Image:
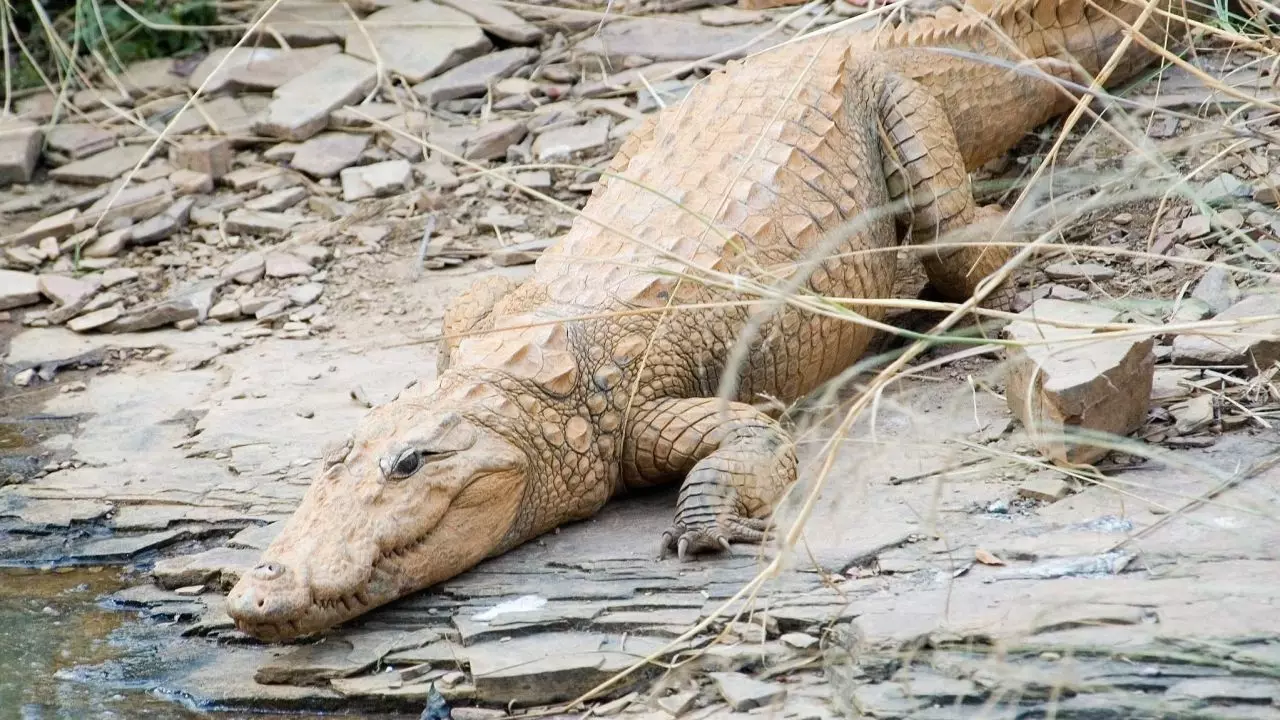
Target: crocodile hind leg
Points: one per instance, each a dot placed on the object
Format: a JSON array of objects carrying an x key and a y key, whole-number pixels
[
  {"x": 736, "y": 462},
  {"x": 470, "y": 312}
]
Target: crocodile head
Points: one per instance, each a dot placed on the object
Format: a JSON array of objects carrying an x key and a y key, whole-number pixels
[{"x": 422, "y": 491}]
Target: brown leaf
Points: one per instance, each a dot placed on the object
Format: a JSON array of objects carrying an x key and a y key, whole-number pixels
[{"x": 986, "y": 558}]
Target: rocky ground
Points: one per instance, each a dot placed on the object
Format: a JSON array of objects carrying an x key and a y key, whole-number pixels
[{"x": 212, "y": 267}]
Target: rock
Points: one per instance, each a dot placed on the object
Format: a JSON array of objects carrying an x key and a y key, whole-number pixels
[
  {"x": 1193, "y": 415},
  {"x": 116, "y": 276},
  {"x": 187, "y": 302},
  {"x": 190, "y": 182},
  {"x": 155, "y": 229},
  {"x": 668, "y": 40},
  {"x": 57, "y": 226},
  {"x": 282, "y": 265},
  {"x": 63, "y": 290},
  {"x": 533, "y": 179},
  {"x": 108, "y": 245},
  {"x": 18, "y": 289},
  {"x": 474, "y": 76},
  {"x": 243, "y": 221},
  {"x": 798, "y": 640},
  {"x": 103, "y": 167},
  {"x": 1256, "y": 345},
  {"x": 246, "y": 269},
  {"x": 278, "y": 200},
  {"x": 250, "y": 177},
  {"x": 78, "y": 140},
  {"x": 1197, "y": 226},
  {"x": 225, "y": 310},
  {"x": 213, "y": 73},
  {"x": 210, "y": 156},
  {"x": 1217, "y": 289},
  {"x": 1251, "y": 690},
  {"x": 1079, "y": 271},
  {"x": 1224, "y": 188},
  {"x": 1059, "y": 389},
  {"x": 304, "y": 23},
  {"x": 306, "y": 294},
  {"x": 149, "y": 76},
  {"x": 744, "y": 693},
  {"x": 95, "y": 319},
  {"x": 418, "y": 40},
  {"x": 328, "y": 153},
  {"x": 486, "y": 142},
  {"x": 301, "y": 107},
  {"x": 220, "y": 567},
  {"x": 336, "y": 657},
  {"x": 267, "y": 74},
  {"x": 499, "y": 21},
  {"x": 1045, "y": 486},
  {"x": 568, "y": 141},
  {"x": 678, "y": 704},
  {"x": 20, "y": 142},
  {"x": 377, "y": 180},
  {"x": 522, "y": 253},
  {"x": 313, "y": 254}
]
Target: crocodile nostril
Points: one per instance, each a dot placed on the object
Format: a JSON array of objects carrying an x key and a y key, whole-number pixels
[{"x": 268, "y": 571}]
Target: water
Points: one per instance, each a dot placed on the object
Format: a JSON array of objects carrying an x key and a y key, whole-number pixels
[{"x": 65, "y": 656}]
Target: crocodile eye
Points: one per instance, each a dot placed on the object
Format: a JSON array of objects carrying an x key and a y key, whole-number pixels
[{"x": 407, "y": 464}]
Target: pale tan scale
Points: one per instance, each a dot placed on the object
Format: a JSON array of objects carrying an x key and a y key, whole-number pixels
[{"x": 577, "y": 433}]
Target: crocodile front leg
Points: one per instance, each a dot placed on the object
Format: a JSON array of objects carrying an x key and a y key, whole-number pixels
[
  {"x": 470, "y": 312},
  {"x": 735, "y": 459}
]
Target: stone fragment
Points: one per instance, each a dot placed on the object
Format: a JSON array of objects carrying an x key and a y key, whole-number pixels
[
  {"x": 522, "y": 253},
  {"x": 744, "y": 693},
  {"x": 20, "y": 142},
  {"x": 533, "y": 179},
  {"x": 306, "y": 294},
  {"x": 1060, "y": 388},
  {"x": 678, "y": 704},
  {"x": 486, "y": 142},
  {"x": 220, "y": 567},
  {"x": 210, "y": 156},
  {"x": 63, "y": 290},
  {"x": 474, "y": 77},
  {"x": 94, "y": 320},
  {"x": 1079, "y": 271},
  {"x": 103, "y": 167},
  {"x": 328, "y": 153},
  {"x": 1255, "y": 345},
  {"x": 798, "y": 640},
  {"x": 250, "y": 177},
  {"x": 569, "y": 141},
  {"x": 418, "y": 40},
  {"x": 1246, "y": 690},
  {"x": 213, "y": 73},
  {"x": 1217, "y": 289},
  {"x": 300, "y": 108},
  {"x": 246, "y": 269},
  {"x": 282, "y": 265},
  {"x": 313, "y": 254},
  {"x": 1197, "y": 226},
  {"x": 190, "y": 182},
  {"x": 149, "y": 76},
  {"x": 663, "y": 40},
  {"x": 78, "y": 140},
  {"x": 499, "y": 21},
  {"x": 242, "y": 221},
  {"x": 377, "y": 180},
  {"x": 108, "y": 244},
  {"x": 116, "y": 276},
  {"x": 1193, "y": 415},
  {"x": 278, "y": 200},
  {"x": 267, "y": 74},
  {"x": 304, "y": 23},
  {"x": 1045, "y": 486},
  {"x": 57, "y": 226},
  {"x": 18, "y": 289},
  {"x": 186, "y": 302}
]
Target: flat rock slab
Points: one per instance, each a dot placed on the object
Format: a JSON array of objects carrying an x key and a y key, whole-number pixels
[
  {"x": 18, "y": 289},
  {"x": 499, "y": 21},
  {"x": 743, "y": 692},
  {"x": 328, "y": 153},
  {"x": 474, "y": 77},
  {"x": 267, "y": 74},
  {"x": 377, "y": 180},
  {"x": 1255, "y": 345},
  {"x": 307, "y": 22},
  {"x": 301, "y": 107},
  {"x": 663, "y": 40},
  {"x": 78, "y": 140},
  {"x": 103, "y": 167},
  {"x": 572, "y": 140},
  {"x": 418, "y": 40}
]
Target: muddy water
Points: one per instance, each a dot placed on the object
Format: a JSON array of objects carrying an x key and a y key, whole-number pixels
[{"x": 65, "y": 655}]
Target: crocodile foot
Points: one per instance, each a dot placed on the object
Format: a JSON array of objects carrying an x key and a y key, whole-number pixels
[{"x": 694, "y": 537}]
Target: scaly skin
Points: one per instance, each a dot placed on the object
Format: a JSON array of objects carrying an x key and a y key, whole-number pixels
[{"x": 573, "y": 394}]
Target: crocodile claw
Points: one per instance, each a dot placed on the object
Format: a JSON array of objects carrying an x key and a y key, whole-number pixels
[{"x": 688, "y": 541}]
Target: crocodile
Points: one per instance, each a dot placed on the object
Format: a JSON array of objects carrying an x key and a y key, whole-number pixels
[{"x": 599, "y": 374}]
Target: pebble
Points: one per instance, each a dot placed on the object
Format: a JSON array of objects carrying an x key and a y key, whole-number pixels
[{"x": 306, "y": 294}]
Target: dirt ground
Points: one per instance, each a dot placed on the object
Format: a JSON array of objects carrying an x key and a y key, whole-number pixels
[{"x": 948, "y": 570}]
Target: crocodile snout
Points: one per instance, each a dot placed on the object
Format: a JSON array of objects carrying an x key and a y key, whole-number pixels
[{"x": 271, "y": 594}]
